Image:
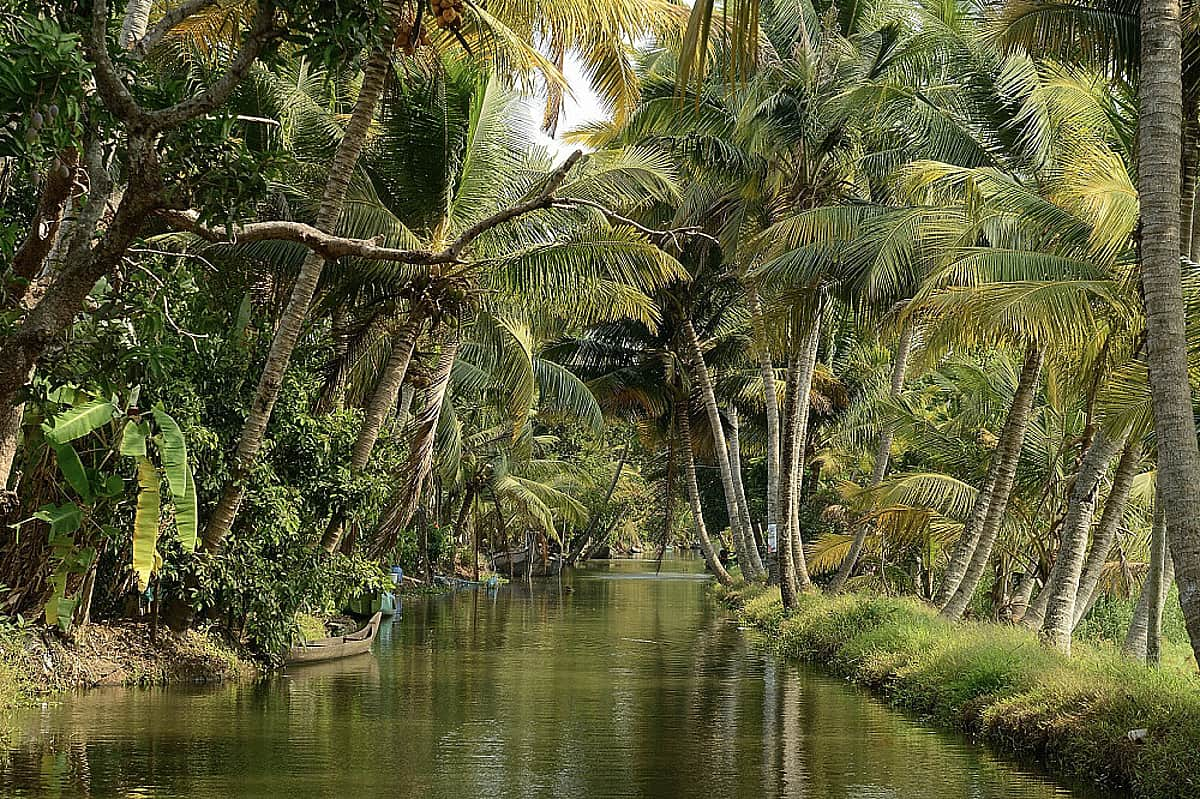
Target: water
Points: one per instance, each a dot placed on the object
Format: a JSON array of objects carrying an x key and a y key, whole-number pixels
[{"x": 618, "y": 683}]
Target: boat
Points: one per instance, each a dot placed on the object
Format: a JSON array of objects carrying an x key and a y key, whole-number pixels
[
  {"x": 514, "y": 562},
  {"x": 344, "y": 646}
]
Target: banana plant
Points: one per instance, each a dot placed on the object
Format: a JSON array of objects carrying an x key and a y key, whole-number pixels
[{"x": 158, "y": 448}]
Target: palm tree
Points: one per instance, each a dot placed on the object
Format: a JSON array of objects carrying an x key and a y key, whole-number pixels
[
  {"x": 612, "y": 18},
  {"x": 1159, "y": 124}
]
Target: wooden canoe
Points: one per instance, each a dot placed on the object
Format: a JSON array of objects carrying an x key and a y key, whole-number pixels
[{"x": 334, "y": 648}]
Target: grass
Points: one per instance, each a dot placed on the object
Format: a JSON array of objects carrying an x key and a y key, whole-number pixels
[{"x": 998, "y": 683}]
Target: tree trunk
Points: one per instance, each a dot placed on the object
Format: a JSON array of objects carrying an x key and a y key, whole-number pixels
[
  {"x": 387, "y": 390},
  {"x": 693, "y": 491},
  {"x": 420, "y": 456},
  {"x": 766, "y": 366},
  {"x": 1137, "y": 638},
  {"x": 802, "y": 388},
  {"x": 1007, "y": 456},
  {"x": 133, "y": 26},
  {"x": 1063, "y": 586},
  {"x": 1159, "y": 584},
  {"x": 882, "y": 453},
  {"x": 585, "y": 538},
  {"x": 788, "y": 587},
  {"x": 735, "y": 462},
  {"x": 1159, "y": 152},
  {"x": 380, "y": 404},
  {"x": 345, "y": 161},
  {"x": 708, "y": 395},
  {"x": 1106, "y": 530}
]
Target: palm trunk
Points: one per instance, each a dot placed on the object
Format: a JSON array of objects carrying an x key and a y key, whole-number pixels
[
  {"x": 1007, "y": 456},
  {"x": 585, "y": 539},
  {"x": 766, "y": 366},
  {"x": 420, "y": 455},
  {"x": 787, "y": 568},
  {"x": 387, "y": 390},
  {"x": 802, "y": 388},
  {"x": 1063, "y": 586},
  {"x": 882, "y": 454},
  {"x": 133, "y": 26},
  {"x": 1159, "y": 169},
  {"x": 381, "y": 403},
  {"x": 1154, "y": 591},
  {"x": 1106, "y": 530},
  {"x": 704, "y": 383},
  {"x": 1157, "y": 579},
  {"x": 693, "y": 492},
  {"x": 735, "y": 462},
  {"x": 288, "y": 332}
]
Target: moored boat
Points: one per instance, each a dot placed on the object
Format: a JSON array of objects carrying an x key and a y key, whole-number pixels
[{"x": 344, "y": 646}]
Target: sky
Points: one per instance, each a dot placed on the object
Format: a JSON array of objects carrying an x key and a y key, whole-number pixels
[{"x": 580, "y": 106}]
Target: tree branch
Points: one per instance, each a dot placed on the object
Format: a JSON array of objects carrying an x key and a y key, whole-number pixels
[
  {"x": 333, "y": 247},
  {"x": 261, "y": 33},
  {"x": 660, "y": 237},
  {"x": 170, "y": 19},
  {"x": 109, "y": 83},
  {"x": 544, "y": 199},
  {"x": 324, "y": 244}
]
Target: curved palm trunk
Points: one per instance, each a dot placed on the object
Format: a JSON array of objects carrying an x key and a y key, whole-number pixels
[
  {"x": 1008, "y": 454},
  {"x": 387, "y": 391},
  {"x": 882, "y": 454},
  {"x": 382, "y": 401},
  {"x": 704, "y": 383},
  {"x": 345, "y": 161},
  {"x": 735, "y": 462},
  {"x": 801, "y": 389},
  {"x": 420, "y": 455},
  {"x": 585, "y": 539},
  {"x": 766, "y": 366},
  {"x": 693, "y": 492},
  {"x": 1106, "y": 531},
  {"x": 1063, "y": 587},
  {"x": 1159, "y": 151}
]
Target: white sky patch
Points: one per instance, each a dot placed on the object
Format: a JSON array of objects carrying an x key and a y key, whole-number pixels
[{"x": 580, "y": 106}]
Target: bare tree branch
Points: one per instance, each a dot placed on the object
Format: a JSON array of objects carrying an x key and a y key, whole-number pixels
[
  {"x": 544, "y": 199},
  {"x": 329, "y": 246},
  {"x": 660, "y": 237},
  {"x": 333, "y": 247}
]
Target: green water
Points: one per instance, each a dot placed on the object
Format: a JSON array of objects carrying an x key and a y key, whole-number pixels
[{"x": 616, "y": 683}]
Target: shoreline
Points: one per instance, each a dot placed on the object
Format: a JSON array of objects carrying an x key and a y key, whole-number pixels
[
  {"x": 996, "y": 683},
  {"x": 36, "y": 666}
]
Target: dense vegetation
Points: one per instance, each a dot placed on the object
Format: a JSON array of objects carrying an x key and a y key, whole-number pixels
[{"x": 292, "y": 293}]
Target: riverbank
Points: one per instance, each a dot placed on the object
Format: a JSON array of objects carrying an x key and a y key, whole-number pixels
[
  {"x": 998, "y": 684},
  {"x": 35, "y": 664}
]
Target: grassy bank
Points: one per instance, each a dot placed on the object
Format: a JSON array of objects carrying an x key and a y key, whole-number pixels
[
  {"x": 35, "y": 664},
  {"x": 999, "y": 684}
]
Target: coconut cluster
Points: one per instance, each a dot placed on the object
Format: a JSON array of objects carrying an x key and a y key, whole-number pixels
[
  {"x": 407, "y": 38},
  {"x": 447, "y": 13}
]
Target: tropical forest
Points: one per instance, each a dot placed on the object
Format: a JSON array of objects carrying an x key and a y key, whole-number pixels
[{"x": 631, "y": 398}]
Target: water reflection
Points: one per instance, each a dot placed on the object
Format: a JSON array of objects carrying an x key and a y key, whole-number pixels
[{"x": 611, "y": 682}]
